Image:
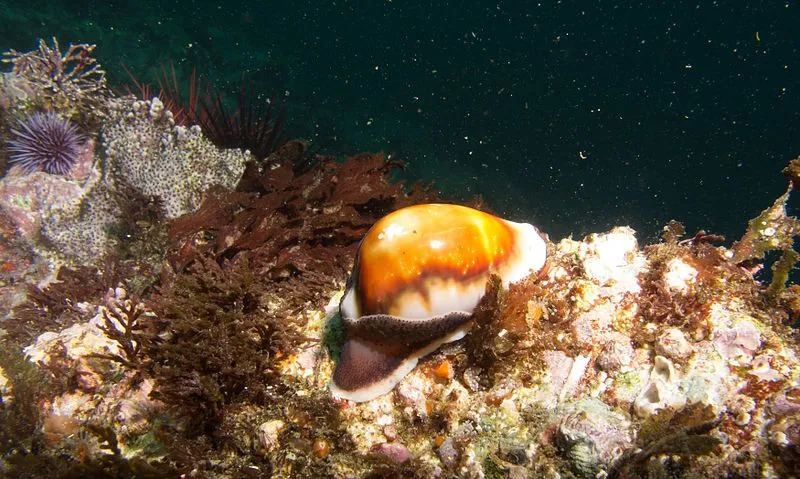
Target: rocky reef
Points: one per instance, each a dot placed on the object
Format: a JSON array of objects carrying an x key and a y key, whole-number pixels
[{"x": 173, "y": 312}]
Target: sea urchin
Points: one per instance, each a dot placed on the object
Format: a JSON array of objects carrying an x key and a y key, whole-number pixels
[{"x": 45, "y": 142}]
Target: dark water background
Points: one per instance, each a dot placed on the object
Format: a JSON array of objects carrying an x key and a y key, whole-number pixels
[{"x": 684, "y": 110}]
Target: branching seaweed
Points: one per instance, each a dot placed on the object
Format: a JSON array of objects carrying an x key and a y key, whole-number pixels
[
  {"x": 121, "y": 323},
  {"x": 680, "y": 433},
  {"x": 294, "y": 223},
  {"x": 20, "y": 416},
  {"x": 220, "y": 346},
  {"x": 773, "y": 230},
  {"x": 76, "y": 70},
  {"x": 55, "y": 306}
]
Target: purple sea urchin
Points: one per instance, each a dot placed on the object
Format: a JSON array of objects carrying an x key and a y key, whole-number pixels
[{"x": 45, "y": 142}]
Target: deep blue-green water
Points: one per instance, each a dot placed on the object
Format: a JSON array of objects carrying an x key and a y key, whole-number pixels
[{"x": 684, "y": 110}]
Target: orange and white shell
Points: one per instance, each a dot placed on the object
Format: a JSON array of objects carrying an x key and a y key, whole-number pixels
[
  {"x": 419, "y": 273},
  {"x": 431, "y": 259}
]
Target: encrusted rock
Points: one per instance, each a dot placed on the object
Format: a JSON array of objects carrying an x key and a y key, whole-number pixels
[
  {"x": 448, "y": 453},
  {"x": 593, "y": 436},
  {"x": 61, "y": 217},
  {"x": 679, "y": 275},
  {"x": 79, "y": 341},
  {"x": 616, "y": 354},
  {"x": 786, "y": 403},
  {"x": 614, "y": 256},
  {"x": 394, "y": 451},
  {"x": 56, "y": 428},
  {"x": 162, "y": 161},
  {"x": 672, "y": 343},
  {"x": 738, "y": 341},
  {"x": 784, "y": 434},
  {"x": 592, "y": 323},
  {"x": 411, "y": 392}
]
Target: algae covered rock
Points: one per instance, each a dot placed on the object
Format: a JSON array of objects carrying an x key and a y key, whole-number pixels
[{"x": 145, "y": 149}]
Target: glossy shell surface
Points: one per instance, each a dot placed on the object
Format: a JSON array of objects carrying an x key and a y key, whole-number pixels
[
  {"x": 432, "y": 259},
  {"x": 419, "y": 274}
]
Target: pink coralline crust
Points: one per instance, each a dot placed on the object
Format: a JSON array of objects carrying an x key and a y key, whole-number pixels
[
  {"x": 786, "y": 403},
  {"x": 742, "y": 339},
  {"x": 393, "y": 451},
  {"x": 16, "y": 266},
  {"x": 84, "y": 161},
  {"x": 559, "y": 365},
  {"x": 592, "y": 324},
  {"x": 24, "y": 198}
]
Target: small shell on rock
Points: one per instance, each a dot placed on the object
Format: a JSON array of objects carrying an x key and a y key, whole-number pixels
[
  {"x": 779, "y": 438},
  {"x": 390, "y": 432},
  {"x": 663, "y": 369},
  {"x": 576, "y": 373},
  {"x": 268, "y": 434},
  {"x": 654, "y": 397},
  {"x": 583, "y": 456},
  {"x": 593, "y": 436},
  {"x": 320, "y": 448},
  {"x": 616, "y": 353},
  {"x": 659, "y": 391},
  {"x": 741, "y": 418},
  {"x": 672, "y": 343},
  {"x": 785, "y": 434}
]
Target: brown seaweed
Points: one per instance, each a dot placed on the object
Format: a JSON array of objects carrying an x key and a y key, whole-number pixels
[
  {"x": 292, "y": 222},
  {"x": 53, "y": 308}
]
